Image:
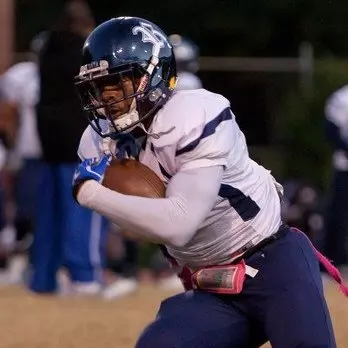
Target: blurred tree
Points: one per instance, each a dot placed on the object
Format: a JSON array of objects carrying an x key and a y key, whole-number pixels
[
  {"x": 33, "y": 16},
  {"x": 244, "y": 28}
]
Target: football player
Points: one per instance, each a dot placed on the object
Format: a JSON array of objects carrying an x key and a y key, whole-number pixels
[
  {"x": 19, "y": 87},
  {"x": 248, "y": 277}
]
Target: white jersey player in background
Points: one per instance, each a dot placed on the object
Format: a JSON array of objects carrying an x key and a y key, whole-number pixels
[
  {"x": 248, "y": 277},
  {"x": 186, "y": 55},
  {"x": 19, "y": 89}
]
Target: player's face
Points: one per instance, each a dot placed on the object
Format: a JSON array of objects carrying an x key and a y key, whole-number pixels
[{"x": 117, "y": 95}]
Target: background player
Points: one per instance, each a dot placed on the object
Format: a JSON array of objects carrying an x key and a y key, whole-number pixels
[
  {"x": 186, "y": 54},
  {"x": 336, "y": 120},
  {"x": 65, "y": 233},
  {"x": 19, "y": 90}
]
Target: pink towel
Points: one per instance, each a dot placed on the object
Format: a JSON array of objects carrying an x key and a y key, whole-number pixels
[{"x": 331, "y": 269}]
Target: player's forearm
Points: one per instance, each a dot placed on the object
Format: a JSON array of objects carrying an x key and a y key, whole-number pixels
[
  {"x": 173, "y": 220},
  {"x": 145, "y": 216}
]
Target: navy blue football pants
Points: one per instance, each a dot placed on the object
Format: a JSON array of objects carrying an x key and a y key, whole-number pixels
[
  {"x": 26, "y": 191},
  {"x": 284, "y": 303},
  {"x": 65, "y": 234}
]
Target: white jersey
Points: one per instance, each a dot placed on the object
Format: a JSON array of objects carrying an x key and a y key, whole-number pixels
[
  {"x": 20, "y": 85},
  {"x": 197, "y": 129}
]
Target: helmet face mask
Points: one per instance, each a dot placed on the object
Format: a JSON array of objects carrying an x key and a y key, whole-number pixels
[
  {"x": 142, "y": 82},
  {"x": 91, "y": 93}
]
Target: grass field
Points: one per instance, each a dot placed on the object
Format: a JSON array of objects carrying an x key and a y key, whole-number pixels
[{"x": 29, "y": 321}]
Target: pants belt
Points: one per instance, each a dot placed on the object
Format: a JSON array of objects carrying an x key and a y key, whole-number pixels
[{"x": 283, "y": 229}]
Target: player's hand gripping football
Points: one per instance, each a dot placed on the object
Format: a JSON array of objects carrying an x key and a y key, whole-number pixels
[{"x": 90, "y": 169}]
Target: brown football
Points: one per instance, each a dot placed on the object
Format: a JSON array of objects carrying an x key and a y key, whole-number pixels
[{"x": 130, "y": 177}]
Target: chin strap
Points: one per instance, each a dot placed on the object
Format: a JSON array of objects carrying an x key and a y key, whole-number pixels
[
  {"x": 333, "y": 272},
  {"x": 155, "y": 135},
  {"x": 128, "y": 118},
  {"x": 127, "y": 146}
]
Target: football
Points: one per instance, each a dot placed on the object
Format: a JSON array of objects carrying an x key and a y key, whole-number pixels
[{"x": 130, "y": 177}]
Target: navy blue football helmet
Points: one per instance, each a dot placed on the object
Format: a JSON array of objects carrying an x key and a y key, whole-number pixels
[{"x": 125, "y": 47}]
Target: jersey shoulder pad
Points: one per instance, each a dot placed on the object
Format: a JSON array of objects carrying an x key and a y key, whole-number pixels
[
  {"x": 188, "y": 81},
  {"x": 185, "y": 116},
  {"x": 199, "y": 135}
]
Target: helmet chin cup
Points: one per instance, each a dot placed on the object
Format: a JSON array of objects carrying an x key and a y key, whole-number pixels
[{"x": 126, "y": 120}]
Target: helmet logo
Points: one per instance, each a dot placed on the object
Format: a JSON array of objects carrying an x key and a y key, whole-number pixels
[{"x": 150, "y": 34}]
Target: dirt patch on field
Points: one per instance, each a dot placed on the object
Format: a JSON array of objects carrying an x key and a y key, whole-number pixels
[{"x": 29, "y": 321}]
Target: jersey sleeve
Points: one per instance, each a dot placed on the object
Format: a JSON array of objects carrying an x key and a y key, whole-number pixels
[
  {"x": 90, "y": 144},
  {"x": 208, "y": 143}
]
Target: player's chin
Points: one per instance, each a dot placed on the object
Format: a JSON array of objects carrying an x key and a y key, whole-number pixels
[{"x": 116, "y": 114}]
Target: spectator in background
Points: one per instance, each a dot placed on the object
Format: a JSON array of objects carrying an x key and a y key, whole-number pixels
[
  {"x": 123, "y": 264},
  {"x": 65, "y": 234},
  {"x": 302, "y": 208},
  {"x": 19, "y": 87},
  {"x": 336, "y": 112}
]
